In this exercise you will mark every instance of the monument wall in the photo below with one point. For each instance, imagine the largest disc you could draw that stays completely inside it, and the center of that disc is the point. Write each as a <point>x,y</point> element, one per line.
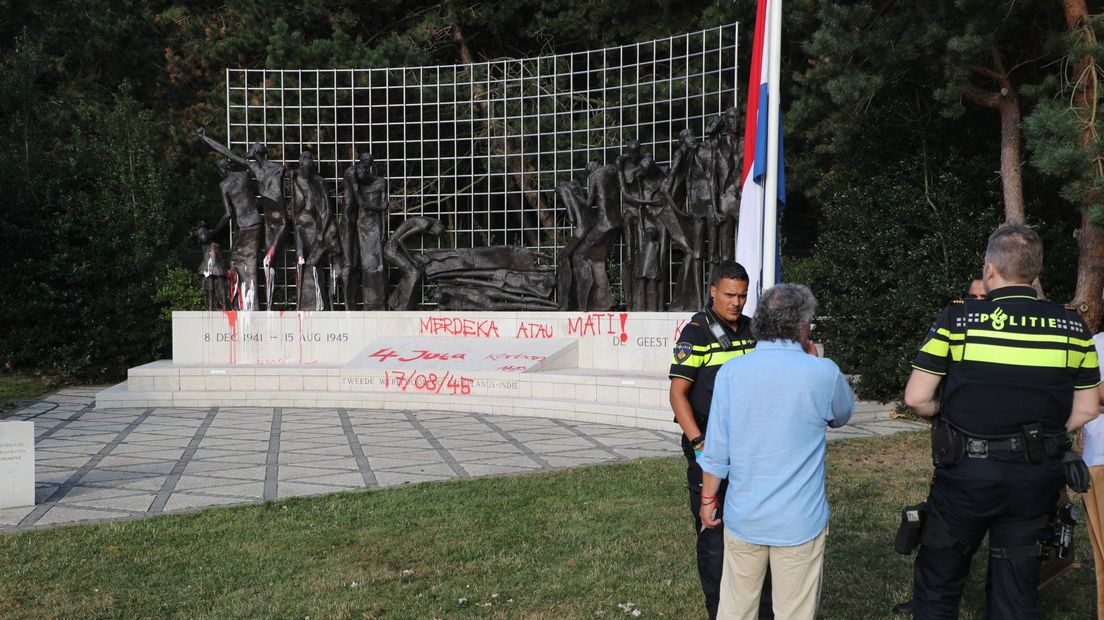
<point>624,341</point>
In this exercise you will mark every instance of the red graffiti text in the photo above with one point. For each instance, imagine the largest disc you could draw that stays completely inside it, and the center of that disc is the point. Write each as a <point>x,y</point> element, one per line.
<point>593,325</point>
<point>451,326</point>
<point>533,330</point>
<point>505,357</point>
<point>385,354</point>
<point>678,329</point>
<point>414,380</point>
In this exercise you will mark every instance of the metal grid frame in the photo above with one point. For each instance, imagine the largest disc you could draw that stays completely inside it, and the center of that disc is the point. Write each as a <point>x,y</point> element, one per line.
<point>483,146</point>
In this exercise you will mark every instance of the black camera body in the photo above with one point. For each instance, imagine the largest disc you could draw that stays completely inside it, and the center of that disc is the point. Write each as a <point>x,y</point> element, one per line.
<point>1065,519</point>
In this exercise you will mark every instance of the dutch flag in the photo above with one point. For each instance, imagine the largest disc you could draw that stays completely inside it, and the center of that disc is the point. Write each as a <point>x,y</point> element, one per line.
<point>756,237</point>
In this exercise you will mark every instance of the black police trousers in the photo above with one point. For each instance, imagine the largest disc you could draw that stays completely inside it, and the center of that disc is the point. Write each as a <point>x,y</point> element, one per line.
<point>711,547</point>
<point>965,502</point>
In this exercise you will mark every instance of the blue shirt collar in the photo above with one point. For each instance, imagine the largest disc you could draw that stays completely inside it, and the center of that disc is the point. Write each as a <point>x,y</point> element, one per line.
<point>782,345</point>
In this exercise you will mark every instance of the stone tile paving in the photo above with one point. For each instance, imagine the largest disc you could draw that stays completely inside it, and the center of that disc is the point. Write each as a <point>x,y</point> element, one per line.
<point>96,465</point>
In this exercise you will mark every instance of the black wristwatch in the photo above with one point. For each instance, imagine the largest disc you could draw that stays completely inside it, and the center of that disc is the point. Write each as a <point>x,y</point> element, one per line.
<point>698,442</point>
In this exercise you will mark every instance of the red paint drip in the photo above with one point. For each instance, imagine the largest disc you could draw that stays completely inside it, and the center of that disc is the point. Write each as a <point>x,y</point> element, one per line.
<point>298,287</point>
<point>233,287</point>
<point>299,316</point>
<point>624,319</point>
<point>232,318</point>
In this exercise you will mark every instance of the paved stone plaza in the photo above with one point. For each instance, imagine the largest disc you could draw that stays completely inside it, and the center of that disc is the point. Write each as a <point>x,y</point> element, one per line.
<point>104,464</point>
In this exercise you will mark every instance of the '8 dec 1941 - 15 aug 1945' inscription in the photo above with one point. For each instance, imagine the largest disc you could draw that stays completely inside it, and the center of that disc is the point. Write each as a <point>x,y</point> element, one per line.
<point>286,337</point>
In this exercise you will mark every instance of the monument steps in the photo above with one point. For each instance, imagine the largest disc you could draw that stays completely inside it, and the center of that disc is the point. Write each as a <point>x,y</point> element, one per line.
<point>579,395</point>
<point>638,401</point>
<point>607,367</point>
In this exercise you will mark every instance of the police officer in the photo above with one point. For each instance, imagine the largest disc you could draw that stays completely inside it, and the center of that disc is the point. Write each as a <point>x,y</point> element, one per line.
<point>713,336</point>
<point>1019,373</point>
<point>974,290</point>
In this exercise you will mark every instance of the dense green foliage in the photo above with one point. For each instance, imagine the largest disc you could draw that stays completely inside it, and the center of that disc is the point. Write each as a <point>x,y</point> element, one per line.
<point>901,162</point>
<point>95,221</point>
<point>910,232</point>
<point>1054,127</point>
<point>892,165</point>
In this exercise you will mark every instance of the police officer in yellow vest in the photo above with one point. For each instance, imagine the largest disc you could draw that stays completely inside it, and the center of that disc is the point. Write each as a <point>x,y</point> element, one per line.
<point>1018,374</point>
<point>713,336</point>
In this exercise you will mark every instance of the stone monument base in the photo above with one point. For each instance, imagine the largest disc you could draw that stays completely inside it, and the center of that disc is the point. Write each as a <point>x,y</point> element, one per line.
<point>582,395</point>
<point>608,368</point>
<point>17,466</point>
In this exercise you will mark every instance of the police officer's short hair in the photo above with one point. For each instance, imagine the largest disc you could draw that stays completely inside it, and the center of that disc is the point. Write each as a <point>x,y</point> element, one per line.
<point>782,311</point>
<point>1017,253</point>
<point>728,270</point>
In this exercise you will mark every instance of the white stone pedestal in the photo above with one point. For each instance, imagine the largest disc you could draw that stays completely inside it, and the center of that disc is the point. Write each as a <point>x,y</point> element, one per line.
<point>17,471</point>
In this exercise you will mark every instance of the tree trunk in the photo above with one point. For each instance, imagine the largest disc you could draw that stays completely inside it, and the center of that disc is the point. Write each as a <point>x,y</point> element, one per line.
<point>526,183</point>
<point>1011,152</point>
<point>1090,240</point>
<point>1011,160</point>
<point>1090,276</point>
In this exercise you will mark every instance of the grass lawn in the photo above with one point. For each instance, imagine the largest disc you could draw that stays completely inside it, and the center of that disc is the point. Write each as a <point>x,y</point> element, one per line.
<point>20,387</point>
<point>581,543</point>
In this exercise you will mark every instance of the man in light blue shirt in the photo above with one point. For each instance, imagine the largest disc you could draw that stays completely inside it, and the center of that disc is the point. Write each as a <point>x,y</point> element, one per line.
<point>770,412</point>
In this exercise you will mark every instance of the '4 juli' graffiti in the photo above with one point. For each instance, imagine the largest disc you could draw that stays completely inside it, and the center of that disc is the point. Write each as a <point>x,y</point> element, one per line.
<point>387,353</point>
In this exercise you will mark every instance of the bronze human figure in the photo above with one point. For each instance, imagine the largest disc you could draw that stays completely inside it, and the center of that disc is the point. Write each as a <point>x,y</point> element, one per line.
<point>728,148</point>
<point>652,242</point>
<point>398,258</point>
<point>497,277</point>
<point>451,262</point>
<point>269,176</point>
<point>692,171</point>
<point>213,271</point>
<point>692,179</point>
<point>598,224</point>
<point>240,208</point>
<point>316,236</point>
<point>602,197</point>
<point>498,290</point>
<point>365,206</point>
<point>651,219</point>
<point>628,173</point>
<point>568,274</point>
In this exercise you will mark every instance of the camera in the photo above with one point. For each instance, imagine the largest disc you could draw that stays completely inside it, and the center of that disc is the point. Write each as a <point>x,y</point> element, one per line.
<point>1064,521</point>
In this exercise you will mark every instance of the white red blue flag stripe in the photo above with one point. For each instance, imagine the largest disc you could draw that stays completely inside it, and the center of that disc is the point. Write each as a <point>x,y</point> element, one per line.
<point>749,238</point>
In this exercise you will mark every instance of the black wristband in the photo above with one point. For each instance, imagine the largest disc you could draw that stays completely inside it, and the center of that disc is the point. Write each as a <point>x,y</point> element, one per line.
<point>700,439</point>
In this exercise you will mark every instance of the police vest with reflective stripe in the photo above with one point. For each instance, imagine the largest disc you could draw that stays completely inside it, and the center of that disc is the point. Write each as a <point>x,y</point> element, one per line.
<point>1009,361</point>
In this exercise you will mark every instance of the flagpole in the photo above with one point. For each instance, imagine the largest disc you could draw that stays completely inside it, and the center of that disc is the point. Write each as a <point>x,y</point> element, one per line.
<point>770,209</point>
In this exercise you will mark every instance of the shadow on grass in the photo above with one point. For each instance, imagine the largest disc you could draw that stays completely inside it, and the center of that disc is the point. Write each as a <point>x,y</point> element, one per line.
<point>15,388</point>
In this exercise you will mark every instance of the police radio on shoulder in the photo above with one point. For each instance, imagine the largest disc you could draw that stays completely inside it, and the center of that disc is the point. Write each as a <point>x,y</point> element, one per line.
<point>717,329</point>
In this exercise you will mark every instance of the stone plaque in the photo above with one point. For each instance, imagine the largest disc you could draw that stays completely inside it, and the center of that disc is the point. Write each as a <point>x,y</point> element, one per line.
<point>17,472</point>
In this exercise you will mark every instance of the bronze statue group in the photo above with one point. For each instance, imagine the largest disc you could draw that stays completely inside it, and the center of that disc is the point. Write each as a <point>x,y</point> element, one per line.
<point>356,252</point>
<point>693,206</point>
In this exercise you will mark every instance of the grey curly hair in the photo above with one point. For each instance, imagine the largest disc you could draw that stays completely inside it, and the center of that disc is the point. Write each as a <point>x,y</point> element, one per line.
<point>782,311</point>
